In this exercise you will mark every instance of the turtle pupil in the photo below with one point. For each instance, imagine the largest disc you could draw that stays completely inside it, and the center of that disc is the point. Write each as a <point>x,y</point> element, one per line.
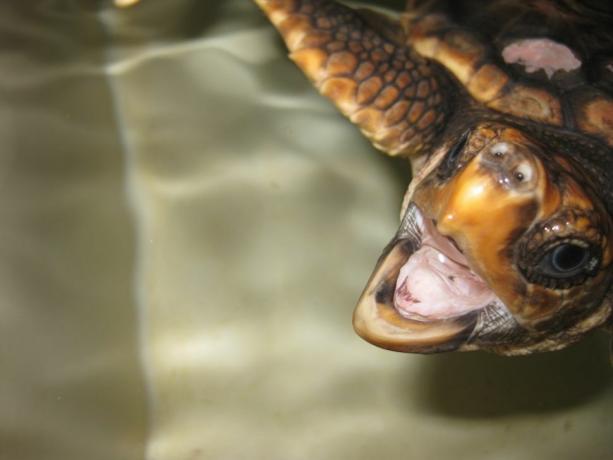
<point>564,264</point>
<point>568,257</point>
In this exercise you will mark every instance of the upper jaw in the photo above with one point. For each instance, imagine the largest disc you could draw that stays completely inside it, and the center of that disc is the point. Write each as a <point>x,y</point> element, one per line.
<point>379,320</point>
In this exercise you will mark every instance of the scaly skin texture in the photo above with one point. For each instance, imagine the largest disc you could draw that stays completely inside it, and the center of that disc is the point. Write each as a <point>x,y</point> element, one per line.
<point>395,96</point>
<point>509,170</point>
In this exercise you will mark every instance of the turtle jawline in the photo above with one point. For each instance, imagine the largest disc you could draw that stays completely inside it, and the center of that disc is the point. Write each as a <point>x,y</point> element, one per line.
<point>436,281</point>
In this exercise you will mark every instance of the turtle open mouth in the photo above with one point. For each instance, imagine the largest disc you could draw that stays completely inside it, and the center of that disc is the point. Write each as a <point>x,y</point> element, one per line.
<point>423,296</point>
<point>436,282</point>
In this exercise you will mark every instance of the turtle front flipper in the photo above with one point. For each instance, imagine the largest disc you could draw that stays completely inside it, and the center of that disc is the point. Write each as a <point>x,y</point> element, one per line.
<point>397,98</point>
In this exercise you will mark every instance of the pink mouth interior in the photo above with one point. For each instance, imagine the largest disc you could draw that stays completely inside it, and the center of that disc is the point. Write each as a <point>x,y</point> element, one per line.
<point>437,283</point>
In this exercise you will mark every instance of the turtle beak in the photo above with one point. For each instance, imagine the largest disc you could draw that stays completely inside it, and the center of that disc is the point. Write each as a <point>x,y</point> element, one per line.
<point>376,318</point>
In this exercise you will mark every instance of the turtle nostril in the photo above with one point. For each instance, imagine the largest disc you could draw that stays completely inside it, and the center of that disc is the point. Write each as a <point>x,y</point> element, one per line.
<point>513,167</point>
<point>500,149</point>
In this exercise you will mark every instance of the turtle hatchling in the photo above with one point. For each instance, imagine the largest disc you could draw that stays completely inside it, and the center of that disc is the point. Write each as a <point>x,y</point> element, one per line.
<point>505,111</point>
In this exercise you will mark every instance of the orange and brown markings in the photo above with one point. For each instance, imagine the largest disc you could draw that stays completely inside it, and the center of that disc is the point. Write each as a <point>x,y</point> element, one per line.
<point>593,112</point>
<point>471,62</point>
<point>549,299</point>
<point>389,91</point>
<point>522,221</point>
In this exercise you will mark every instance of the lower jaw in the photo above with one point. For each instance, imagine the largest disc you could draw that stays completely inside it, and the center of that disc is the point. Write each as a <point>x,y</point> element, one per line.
<point>379,321</point>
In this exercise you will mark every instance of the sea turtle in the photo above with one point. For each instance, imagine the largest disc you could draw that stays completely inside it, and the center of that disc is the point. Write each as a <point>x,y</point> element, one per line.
<point>505,110</point>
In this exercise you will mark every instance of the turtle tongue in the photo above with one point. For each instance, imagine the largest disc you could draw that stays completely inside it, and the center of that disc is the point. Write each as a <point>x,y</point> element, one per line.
<point>437,283</point>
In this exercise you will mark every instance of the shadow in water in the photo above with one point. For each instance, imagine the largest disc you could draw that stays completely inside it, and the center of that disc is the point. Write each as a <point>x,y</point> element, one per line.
<point>478,385</point>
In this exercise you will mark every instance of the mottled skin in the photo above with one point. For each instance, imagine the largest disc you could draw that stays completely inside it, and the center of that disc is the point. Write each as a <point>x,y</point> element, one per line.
<point>515,169</point>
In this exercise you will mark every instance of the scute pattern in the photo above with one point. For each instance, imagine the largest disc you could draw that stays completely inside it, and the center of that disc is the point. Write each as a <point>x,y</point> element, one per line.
<point>471,62</point>
<point>468,42</point>
<point>389,91</point>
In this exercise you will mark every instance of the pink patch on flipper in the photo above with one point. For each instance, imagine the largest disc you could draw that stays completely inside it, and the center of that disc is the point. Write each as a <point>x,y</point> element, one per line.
<point>541,53</point>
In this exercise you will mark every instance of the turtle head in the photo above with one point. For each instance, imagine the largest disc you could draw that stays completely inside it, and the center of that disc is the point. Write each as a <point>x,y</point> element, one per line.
<point>503,246</point>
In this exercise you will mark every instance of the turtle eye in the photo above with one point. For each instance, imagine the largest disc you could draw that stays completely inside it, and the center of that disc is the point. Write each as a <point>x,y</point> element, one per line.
<point>567,264</point>
<point>450,162</point>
